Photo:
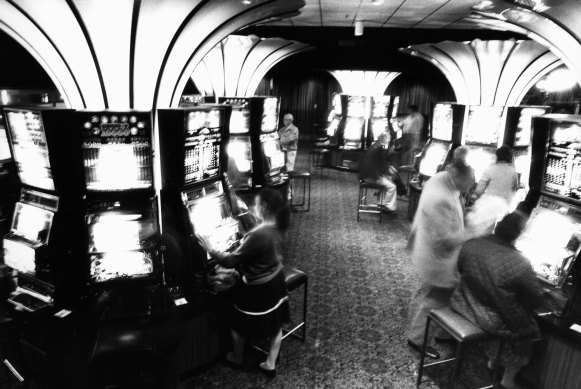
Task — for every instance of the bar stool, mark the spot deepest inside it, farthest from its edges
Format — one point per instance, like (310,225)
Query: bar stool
(305,177)
(293,279)
(365,206)
(465,333)
(319,157)
(409,171)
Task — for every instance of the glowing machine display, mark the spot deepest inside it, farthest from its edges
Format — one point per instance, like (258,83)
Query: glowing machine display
(121,214)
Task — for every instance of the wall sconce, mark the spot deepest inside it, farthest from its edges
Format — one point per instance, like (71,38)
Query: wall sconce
(358,27)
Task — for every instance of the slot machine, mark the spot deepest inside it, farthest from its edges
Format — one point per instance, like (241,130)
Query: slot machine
(379,121)
(445,134)
(517,134)
(351,138)
(255,155)
(195,188)
(551,240)
(43,244)
(483,134)
(7,179)
(336,119)
(121,214)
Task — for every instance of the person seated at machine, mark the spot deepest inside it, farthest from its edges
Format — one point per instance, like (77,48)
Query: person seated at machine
(495,190)
(498,291)
(261,303)
(375,168)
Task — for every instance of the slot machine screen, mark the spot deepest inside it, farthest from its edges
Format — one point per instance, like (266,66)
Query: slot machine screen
(484,125)
(210,215)
(240,154)
(274,154)
(379,126)
(333,125)
(120,245)
(523,129)
(353,129)
(479,158)
(551,240)
(434,157)
(269,115)
(5,154)
(442,122)
(31,223)
(202,146)
(563,161)
(356,106)
(30,148)
(117,152)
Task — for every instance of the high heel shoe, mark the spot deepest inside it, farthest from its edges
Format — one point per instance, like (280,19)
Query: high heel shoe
(265,371)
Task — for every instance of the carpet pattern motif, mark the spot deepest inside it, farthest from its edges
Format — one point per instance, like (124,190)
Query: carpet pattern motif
(361,283)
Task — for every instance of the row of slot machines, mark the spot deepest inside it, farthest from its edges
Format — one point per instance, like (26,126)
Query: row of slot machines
(355,122)
(88,217)
(548,159)
(482,129)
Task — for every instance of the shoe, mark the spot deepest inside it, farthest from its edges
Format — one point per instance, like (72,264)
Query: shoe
(430,351)
(266,372)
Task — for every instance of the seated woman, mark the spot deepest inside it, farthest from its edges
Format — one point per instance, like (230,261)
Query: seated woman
(261,304)
(495,190)
(498,290)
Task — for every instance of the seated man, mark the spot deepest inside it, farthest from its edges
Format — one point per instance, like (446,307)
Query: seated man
(375,168)
(498,291)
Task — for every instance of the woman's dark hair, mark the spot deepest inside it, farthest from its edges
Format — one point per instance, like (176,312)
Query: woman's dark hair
(504,154)
(275,204)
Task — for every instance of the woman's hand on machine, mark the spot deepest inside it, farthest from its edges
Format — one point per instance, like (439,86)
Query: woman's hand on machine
(204,242)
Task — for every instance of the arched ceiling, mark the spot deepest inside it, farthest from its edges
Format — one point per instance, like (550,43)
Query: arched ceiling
(489,72)
(127,54)
(236,65)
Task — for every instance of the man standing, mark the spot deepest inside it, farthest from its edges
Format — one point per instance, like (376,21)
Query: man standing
(375,168)
(412,126)
(437,235)
(289,141)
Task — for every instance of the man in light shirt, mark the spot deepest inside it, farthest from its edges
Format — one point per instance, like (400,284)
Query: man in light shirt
(289,141)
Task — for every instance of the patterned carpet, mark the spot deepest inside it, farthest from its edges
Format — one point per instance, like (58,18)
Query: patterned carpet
(361,283)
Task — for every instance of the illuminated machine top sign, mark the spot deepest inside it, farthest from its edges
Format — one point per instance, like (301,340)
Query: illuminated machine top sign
(523,130)
(484,125)
(202,146)
(356,106)
(442,122)
(30,148)
(240,116)
(563,162)
(269,115)
(117,152)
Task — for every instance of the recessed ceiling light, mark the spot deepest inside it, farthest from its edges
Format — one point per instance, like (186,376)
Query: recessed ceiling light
(247,2)
(376,2)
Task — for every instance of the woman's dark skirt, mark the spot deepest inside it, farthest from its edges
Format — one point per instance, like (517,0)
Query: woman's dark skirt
(260,310)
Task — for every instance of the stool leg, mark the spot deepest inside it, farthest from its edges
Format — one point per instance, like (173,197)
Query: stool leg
(457,364)
(309,198)
(423,356)
(306,286)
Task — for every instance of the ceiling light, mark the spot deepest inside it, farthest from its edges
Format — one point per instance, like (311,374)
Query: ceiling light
(247,2)
(376,2)
(358,27)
